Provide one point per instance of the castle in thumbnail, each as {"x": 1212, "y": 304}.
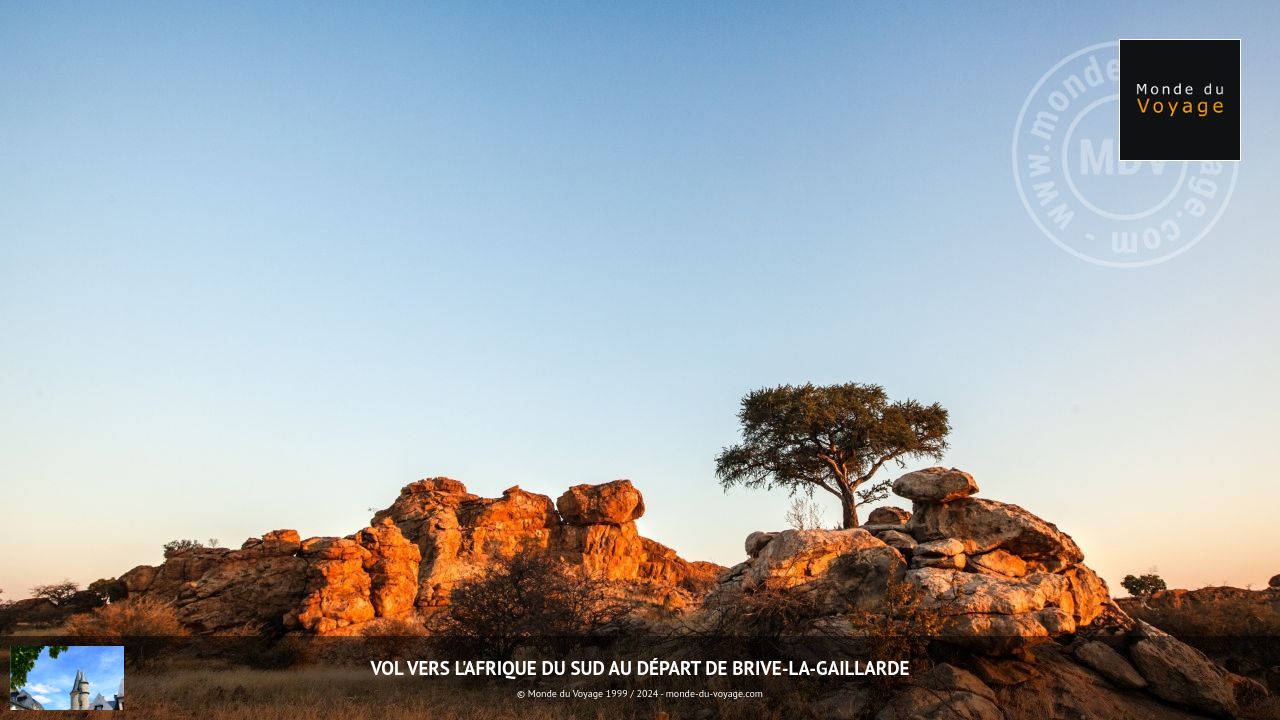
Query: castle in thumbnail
{"x": 80, "y": 696}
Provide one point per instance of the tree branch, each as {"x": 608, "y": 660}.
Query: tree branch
{"x": 879, "y": 463}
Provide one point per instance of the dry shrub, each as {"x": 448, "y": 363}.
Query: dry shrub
{"x": 902, "y": 627}
{"x": 766, "y": 614}
{"x": 531, "y": 601}
{"x": 395, "y": 627}
{"x": 137, "y": 617}
{"x": 394, "y": 638}
{"x": 144, "y": 625}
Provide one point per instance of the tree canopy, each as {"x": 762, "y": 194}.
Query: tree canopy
{"x": 23, "y": 658}
{"x": 831, "y": 437}
{"x": 1142, "y": 586}
{"x": 57, "y": 593}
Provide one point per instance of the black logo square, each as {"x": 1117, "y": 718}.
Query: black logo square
{"x": 1179, "y": 99}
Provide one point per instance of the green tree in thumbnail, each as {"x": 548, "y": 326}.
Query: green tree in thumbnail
{"x": 23, "y": 658}
{"x": 831, "y": 437}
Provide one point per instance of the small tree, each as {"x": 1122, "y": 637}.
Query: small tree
{"x": 56, "y": 593}
{"x": 108, "y": 589}
{"x": 531, "y": 600}
{"x": 1142, "y": 586}
{"x": 177, "y": 546}
{"x": 833, "y": 437}
{"x": 804, "y": 513}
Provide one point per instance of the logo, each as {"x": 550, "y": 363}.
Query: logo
{"x": 1180, "y": 99}
{"x": 1082, "y": 196}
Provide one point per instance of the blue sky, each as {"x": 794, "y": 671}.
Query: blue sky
{"x": 261, "y": 265}
{"x": 50, "y": 680}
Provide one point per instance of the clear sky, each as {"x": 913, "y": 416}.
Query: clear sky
{"x": 49, "y": 682}
{"x": 261, "y": 264}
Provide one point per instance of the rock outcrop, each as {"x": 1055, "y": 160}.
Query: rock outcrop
{"x": 835, "y": 570}
{"x": 1181, "y": 674}
{"x": 613, "y": 503}
{"x": 1026, "y": 628}
{"x": 591, "y": 526}
{"x": 1001, "y": 584}
{"x": 434, "y": 536}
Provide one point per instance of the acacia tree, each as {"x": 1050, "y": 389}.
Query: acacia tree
{"x": 831, "y": 437}
{"x": 56, "y": 593}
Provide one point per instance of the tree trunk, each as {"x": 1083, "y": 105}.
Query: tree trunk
{"x": 849, "y": 508}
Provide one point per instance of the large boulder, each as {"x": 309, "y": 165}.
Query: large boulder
{"x": 1064, "y": 689}
{"x": 999, "y": 562}
{"x": 392, "y": 566}
{"x": 839, "y": 570}
{"x": 935, "y": 485}
{"x": 962, "y": 593}
{"x": 1181, "y": 674}
{"x": 613, "y": 503}
{"x": 947, "y": 553}
{"x": 996, "y": 614}
{"x": 986, "y": 525}
{"x": 337, "y": 587}
{"x": 612, "y": 552}
{"x": 519, "y": 521}
{"x": 426, "y": 512}
{"x": 255, "y": 587}
{"x": 1089, "y": 594}
{"x": 888, "y": 516}
{"x": 461, "y": 536}
{"x": 899, "y": 541}
{"x": 1110, "y": 664}
{"x": 182, "y": 567}
{"x": 663, "y": 566}
{"x": 1274, "y": 581}
{"x": 944, "y": 692}
{"x": 756, "y": 541}
{"x": 139, "y": 579}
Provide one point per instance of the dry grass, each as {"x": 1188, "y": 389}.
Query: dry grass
{"x": 323, "y": 693}
{"x": 1230, "y": 617}
{"x": 141, "y": 617}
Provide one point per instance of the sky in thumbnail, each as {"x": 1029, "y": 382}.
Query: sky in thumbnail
{"x": 51, "y": 679}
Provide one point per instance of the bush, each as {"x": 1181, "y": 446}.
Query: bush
{"x": 805, "y": 513}
{"x": 177, "y": 546}
{"x": 108, "y": 589}
{"x": 137, "y": 617}
{"x": 147, "y": 626}
{"x": 1143, "y": 585}
{"x": 531, "y": 601}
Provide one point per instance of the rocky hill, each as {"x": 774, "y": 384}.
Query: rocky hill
{"x": 1020, "y": 626}
{"x": 434, "y": 536}
{"x": 1033, "y": 631}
